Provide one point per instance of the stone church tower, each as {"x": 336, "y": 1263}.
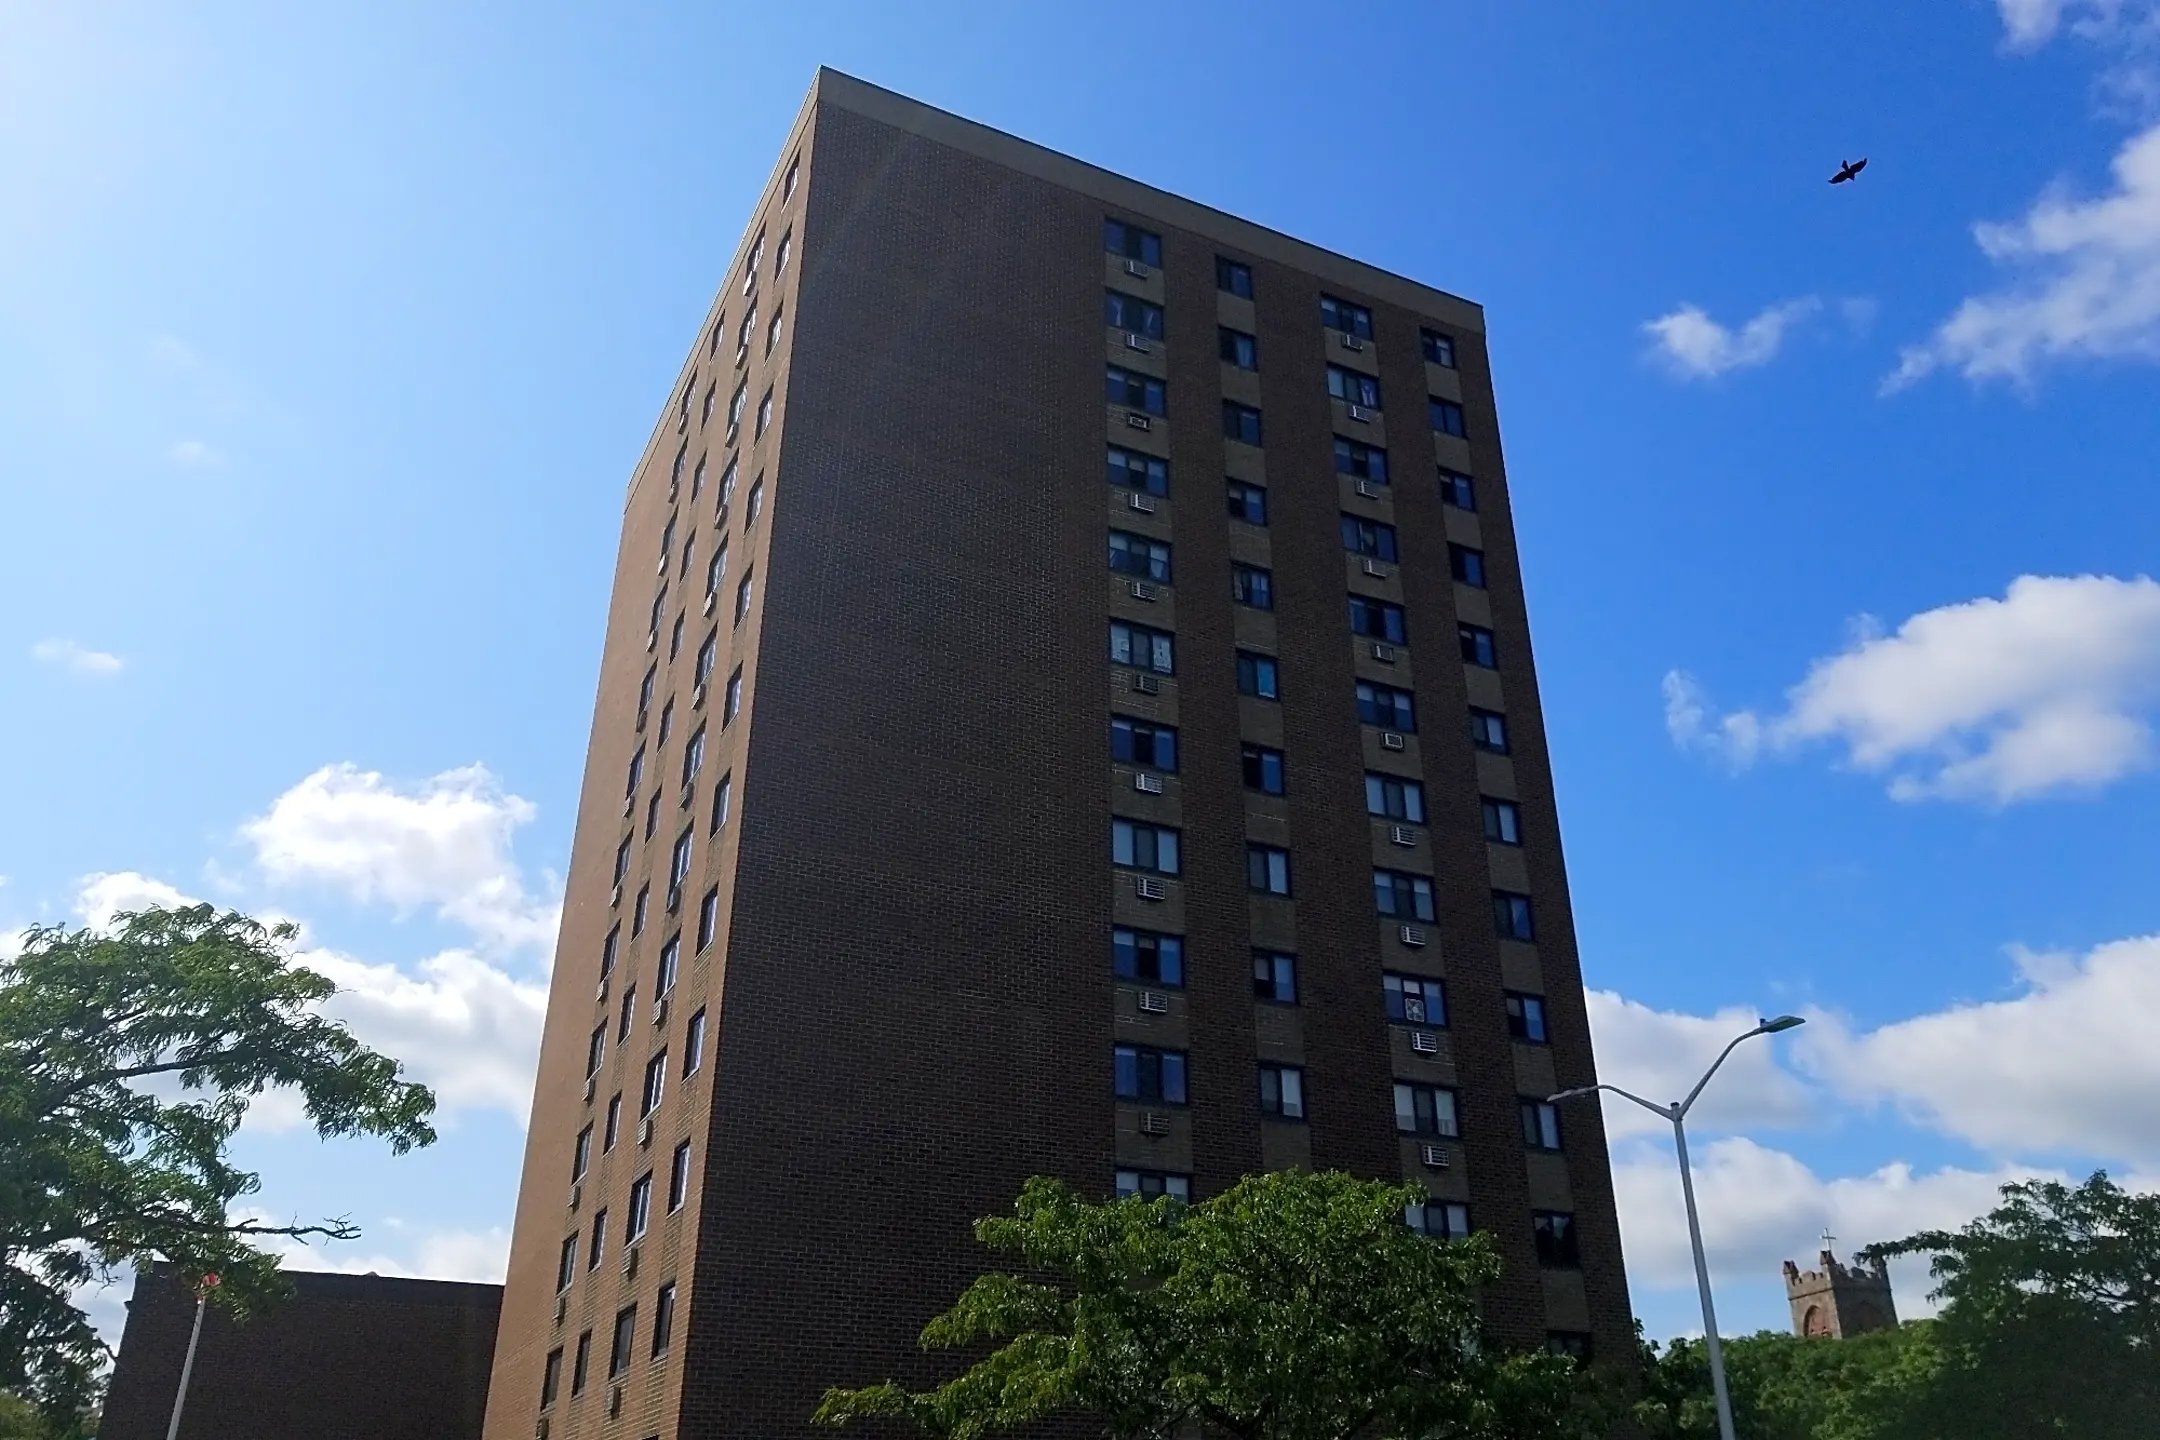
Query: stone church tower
{"x": 1838, "y": 1300}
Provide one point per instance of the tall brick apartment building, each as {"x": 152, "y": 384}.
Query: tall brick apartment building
{"x": 1067, "y": 708}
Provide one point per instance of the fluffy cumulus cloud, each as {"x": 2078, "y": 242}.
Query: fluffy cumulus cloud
{"x": 1697, "y": 347}
{"x": 1659, "y": 1054}
{"x": 2050, "y": 688}
{"x": 478, "y": 1255}
{"x": 442, "y": 844}
{"x": 2082, "y": 282}
{"x": 75, "y": 658}
{"x": 100, "y": 897}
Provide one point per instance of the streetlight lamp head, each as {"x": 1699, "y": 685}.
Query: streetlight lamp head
{"x": 1783, "y": 1022}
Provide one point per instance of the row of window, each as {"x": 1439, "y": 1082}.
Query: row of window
{"x": 1150, "y": 474}
{"x": 1387, "y": 797}
{"x": 1152, "y": 745}
{"x": 637, "y": 1221}
{"x": 622, "y": 1347}
{"x": 1149, "y": 559}
{"x": 1143, "y": 647}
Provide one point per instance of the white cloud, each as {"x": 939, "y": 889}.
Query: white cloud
{"x": 444, "y": 843}
{"x": 2029, "y": 24}
{"x": 195, "y": 455}
{"x": 100, "y": 897}
{"x": 2050, "y": 688}
{"x": 77, "y": 659}
{"x": 1660, "y": 1054}
{"x": 1696, "y": 346}
{"x": 2066, "y": 1066}
{"x": 475, "y": 1255}
{"x": 2084, "y": 283}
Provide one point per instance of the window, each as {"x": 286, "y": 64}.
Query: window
{"x": 1426, "y": 1110}
{"x": 1447, "y": 417}
{"x": 608, "y": 949}
{"x": 1240, "y": 422}
{"x": 667, "y": 720}
{"x": 1346, "y": 317}
{"x": 674, "y": 644}
{"x": 708, "y": 655}
{"x": 1488, "y": 731}
{"x": 787, "y": 186}
{"x": 1439, "y": 349}
{"x": 1156, "y": 1076}
{"x": 1147, "y": 957}
{"x": 1511, "y": 916}
{"x": 1402, "y": 897}
{"x": 693, "y": 755}
{"x": 772, "y": 326}
{"x": 1250, "y": 585}
{"x": 1456, "y": 490}
{"x": 596, "y": 1251}
{"x": 742, "y": 592}
{"x": 1274, "y": 977}
{"x": 678, "y": 1177}
{"x": 1386, "y": 707}
{"x": 1369, "y": 538}
{"x": 652, "y": 814}
{"x": 712, "y": 341}
{"x": 1352, "y": 388}
{"x": 708, "y": 917}
{"x": 1414, "y": 1000}
{"x": 1282, "y": 1092}
{"x": 757, "y": 258}
{"x": 640, "y": 1209}
{"x": 1439, "y": 1219}
{"x": 1263, "y": 769}
{"x": 1136, "y": 846}
{"x": 622, "y": 859}
{"x": 1247, "y": 502}
{"x": 1234, "y": 276}
{"x": 659, "y": 608}
{"x": 679, "y": 860}
{"x": 740, "y": 398}
{"x": 1133, "y": 390}
{"x": 1131, "y": 242}
{"x": 566, "y": 1263}
{"x": 693, "y": 1051}
{"x": 670, "y": 965}
{"x": 732, "y": 700}
{"x": 655, "y": 1085}
{"x": 743, "y": 332}
{"x": 628, "y": 1013}
{"x": 551, "y": 1377}
{"x": 595, "y": 1050}
{"x": 1142, "y": 648}
{"x": 581, "y": 1365}
{"x": 1477, "y": 645}
{"x": 1574, "y": 1344}
{"x": 1256, "y": 675}
{"x": 1132, "y": 314}
{"x": 697, "y": 476}
{"x": 1540, "y": 1125}
{"x": 689, "y": 548}
{"x": 1364, "y": 462}
{"x": 581, "y": 1154}
{"x": 1137, "y": 742}
{"x": 757, "y": 503}
{"x": 764, "y": 415}
{"x": 1503, "y": 821}
{"x": 645, "y": 691}
{"x": 1467, "y": 565}
{"x": 1393, "y": 798}
{"x": 1137, "y": 555}
{"x": 637, "y": 913}
{"x": 663, "y": 1323}
{"x": 1526, "y": 1017}
{"x": 1267, "y": 869}
{"x": 614, "y": 1123}
{"x": 780, "y": 258}
{"x": 1557, "y": 1245}
{"x": 1153, "y": 1185}
{"x": 1238, "y": 348}
{"x": 625, "y": 1340}
{"x": 1376, "y": 619}
{"x": 722, "y": 795}
{"x": 1131, "y": 470}
{"x": 728, "y": 478}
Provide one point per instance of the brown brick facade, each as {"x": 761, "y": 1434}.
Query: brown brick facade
{"x": 915, "y": 1009}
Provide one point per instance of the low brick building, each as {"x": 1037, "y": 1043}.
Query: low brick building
{"x": 343, "y": 1356}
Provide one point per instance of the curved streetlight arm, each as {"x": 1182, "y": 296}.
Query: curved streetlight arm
{"x": 1664, "y": 1112}
{"x": 1685, "y": 1105}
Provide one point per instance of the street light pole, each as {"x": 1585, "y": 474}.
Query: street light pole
{"x": 187, "y": 1365}
{"x": 1676, "y": 1114}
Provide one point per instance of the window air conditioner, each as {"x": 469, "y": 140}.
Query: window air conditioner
{"x": 1390, "y": 740}
{"x": 1149, "y": 889}
{"x": 1147, "y": 784}
{"x": 1411, "y": 935}
{"x": 1154, "y": 1002}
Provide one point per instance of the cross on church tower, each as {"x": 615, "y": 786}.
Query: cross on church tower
{"x": 1829, "y": 1241}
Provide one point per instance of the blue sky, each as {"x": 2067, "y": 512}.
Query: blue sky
{"x": 328, "y": 335}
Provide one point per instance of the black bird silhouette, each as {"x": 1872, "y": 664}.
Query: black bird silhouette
{"x": 1847, "y": 169}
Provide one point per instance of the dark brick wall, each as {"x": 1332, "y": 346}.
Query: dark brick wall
{"x": 346, "y": 1357}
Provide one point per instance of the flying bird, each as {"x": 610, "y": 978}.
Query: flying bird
{"x": 1848, "y": 169}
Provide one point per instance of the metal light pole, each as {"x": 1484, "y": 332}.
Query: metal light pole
{"x": 187, "y": 1366}
{"x": 1676, "y": 1113}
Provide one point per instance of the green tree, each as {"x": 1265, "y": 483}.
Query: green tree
{"x": 1294, "y": 1306}
{"x": 1786, "y": 1388}
{"x": 128, "y": 1058}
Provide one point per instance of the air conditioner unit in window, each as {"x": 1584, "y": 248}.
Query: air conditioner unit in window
{"x": 1413, "y": 1009}
{"x": 614, "y": 1401}
{"x": 644, "y": 1135}
{"x": 600, "y": 990}
{"x": 661, "y": 568}
{"x": 1351, "y": 342}
{"x": 1411, "y": 935}
{"x": 1357, "y": 412}
{"x": 1385, "y": 654}
{"x": 1154, "y": 1002}
{"x": 674, "y": 898}
{"x": 1136, "y": 342}
{"x": 660, "y": 1010}
{"x": 1141, "y": 590}
{"x": 562, "y": 1308}
{"x": 640, "y": 725}
{"x": 1375, "y": 569}
{"x": 590, "y": 1084}
{"x": 1401, "y": 835}
{"x": 1147, "y": 784}
{"x": 1146, "y": 685}
{"x": 674, "y": 488}
{"x": 652, "y": 639}
{"x": 629, "y": 1264}
{"x": 577, "y": 1196}
{"x": 1434, "y": 1157}
{"x": 1390, "y": 740}
{"x": 1148, "y": 889}
{"x": 1140, "y": 502}
{"x": 689, "y": 793}
{"x": 706, "y": 608}
{"x": 1138, "y": 421}
{"x": 1367, "y": 490}
{"x": 1154, "y": 1122}
{"x": 614, "y": 897}
{"x": 629, "y": 802}
{"x": 1424, "y": 1042}
{"x": 540, "y": 1429}
{"x": 697, "y": 696}
{"x": 1135, "y": 268}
